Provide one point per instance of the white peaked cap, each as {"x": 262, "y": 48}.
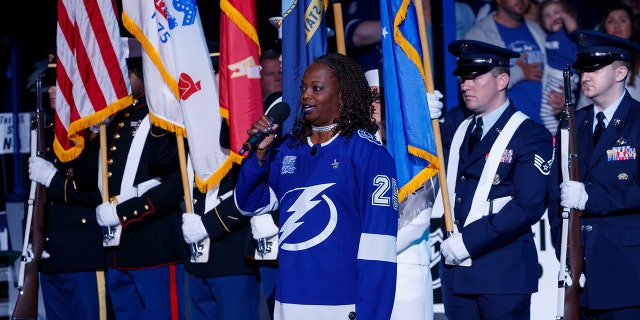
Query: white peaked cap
{"x": 373, "y": 78}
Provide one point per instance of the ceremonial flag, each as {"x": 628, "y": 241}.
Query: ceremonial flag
{"x": 179, "y": 80}
{"x": 304, "y": 37}
{"x": 408, "y": 122}
{"x": 92, "y": 76}
{"x": 240, "y": 84}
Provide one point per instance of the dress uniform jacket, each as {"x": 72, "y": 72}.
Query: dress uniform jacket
{"x": 501, "y": 245}
{"x": 229, "y": 231}
{"x": 151, "y": 222}
{"x": 610, "y": 224}
{"x": 72, "y": 235}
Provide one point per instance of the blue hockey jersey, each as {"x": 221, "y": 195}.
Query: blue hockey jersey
{"x": 338, "y": 224}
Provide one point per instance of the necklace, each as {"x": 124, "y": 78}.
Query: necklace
{"x": 325, "y": 128}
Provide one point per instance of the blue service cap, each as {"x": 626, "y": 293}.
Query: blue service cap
{"x": 597, "y": 49}
{"x": 476, "y": 57}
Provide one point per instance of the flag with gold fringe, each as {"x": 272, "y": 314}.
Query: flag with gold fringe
{"x": 180, "y": 85}
{"x": 240, "y": 85}
{"x": 92, "y": 77}
{"x": 408, "y": 122}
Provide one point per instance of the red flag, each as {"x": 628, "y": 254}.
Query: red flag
{"x": 240, "y": 88}
{"x": 92, "y": 76}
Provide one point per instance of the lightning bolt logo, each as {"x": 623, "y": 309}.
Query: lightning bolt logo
{"x": 305, "y": 202}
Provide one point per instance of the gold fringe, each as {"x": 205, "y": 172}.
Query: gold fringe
{"x": 215, "y": 178}
{"x": 166, "y": 125}
{"x": 240, "y": 21}
{"x": 153, "y": 54}
{"x": 76, "y": 128}
{"x": 425, "y": 174}
{"x": 403, "y": 43}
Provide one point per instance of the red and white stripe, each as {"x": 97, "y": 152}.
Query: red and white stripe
{"x": 92, "y": 76}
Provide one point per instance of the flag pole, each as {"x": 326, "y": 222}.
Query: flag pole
{"x": 337, "y": 17}
{"x": 435, "y": 124}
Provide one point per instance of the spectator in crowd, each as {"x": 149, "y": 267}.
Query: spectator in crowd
{"x": 508, "y": 28}
{"x": 607, "y": 136}
{"x": 559, "y": 20}
{"x": 339, "y": 217}
{"x": 619, "y": 20}
{"x": 489, "y": 268}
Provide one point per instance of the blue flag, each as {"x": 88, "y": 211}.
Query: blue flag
{"x": 408, "y": 122}
{"x": 304, "y": 37}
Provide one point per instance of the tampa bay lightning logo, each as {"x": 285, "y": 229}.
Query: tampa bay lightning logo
{"x": 368, "y": 136}
{"x": 308, "y": 199}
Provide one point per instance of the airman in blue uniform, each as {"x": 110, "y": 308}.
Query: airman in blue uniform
{"x": 609, "y": 186}
{"x": 498, "y": 165}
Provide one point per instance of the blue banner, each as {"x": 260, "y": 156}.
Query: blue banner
{"x": 304, "y": 37}
{"x": 408, "y": 123}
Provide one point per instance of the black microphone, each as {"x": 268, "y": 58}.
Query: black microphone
{"x": 278, "y": 114}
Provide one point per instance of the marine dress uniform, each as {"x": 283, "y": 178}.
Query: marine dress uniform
{"x": 610, "y": 173}
{"x": 227, "y": 286}
{"x": 497, "y": 193}
{"x": 145, "y": 276}
{"x": 72, "y": 272}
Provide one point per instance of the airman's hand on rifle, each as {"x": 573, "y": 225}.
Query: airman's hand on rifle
{"x": 573, "y": 195}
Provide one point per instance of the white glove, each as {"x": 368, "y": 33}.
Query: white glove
{"x": 107, "y": 215}
{"x": 435, "y": 105}
{"x": 262, "y": 226}
{"x": 41, "y": 171}
{"x": 573, "y": 195}
{"x": 193, "y": 230}
{"x": 454, "y": 250}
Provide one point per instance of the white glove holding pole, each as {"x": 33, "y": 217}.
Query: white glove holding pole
{"x": 107, "y": 215}
{"x": 435, "y": 105}
{"x": 41, "y": 171}
{"x": 193, "y": 229}
{"x": 573, "y": 195}
{"x": 454, "y": 250}
{"x": 262, "y": 226}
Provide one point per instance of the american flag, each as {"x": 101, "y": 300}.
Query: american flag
{"x": 92, "y": 76}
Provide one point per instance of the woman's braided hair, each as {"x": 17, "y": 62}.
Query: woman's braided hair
{"x": 357, "y": 99}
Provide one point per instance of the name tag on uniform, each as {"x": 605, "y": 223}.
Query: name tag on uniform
{"x": 621, "y": 153}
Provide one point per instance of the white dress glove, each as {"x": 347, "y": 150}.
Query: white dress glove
{"x": 573, "y": 195}
{"x": 454, "y": 250}
{"x": 262, "y": 226}
{"x": 435, "y": 105}
{"x": 107, "y": 215}
{"x": 193, "y": 229}
{"x": 41, "y": 171}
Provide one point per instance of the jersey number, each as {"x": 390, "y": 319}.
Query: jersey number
{"x": 378, "y": 197}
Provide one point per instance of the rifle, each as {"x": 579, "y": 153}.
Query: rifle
{"x": 28, "y": 279}
{"x": 570, "y": 248}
